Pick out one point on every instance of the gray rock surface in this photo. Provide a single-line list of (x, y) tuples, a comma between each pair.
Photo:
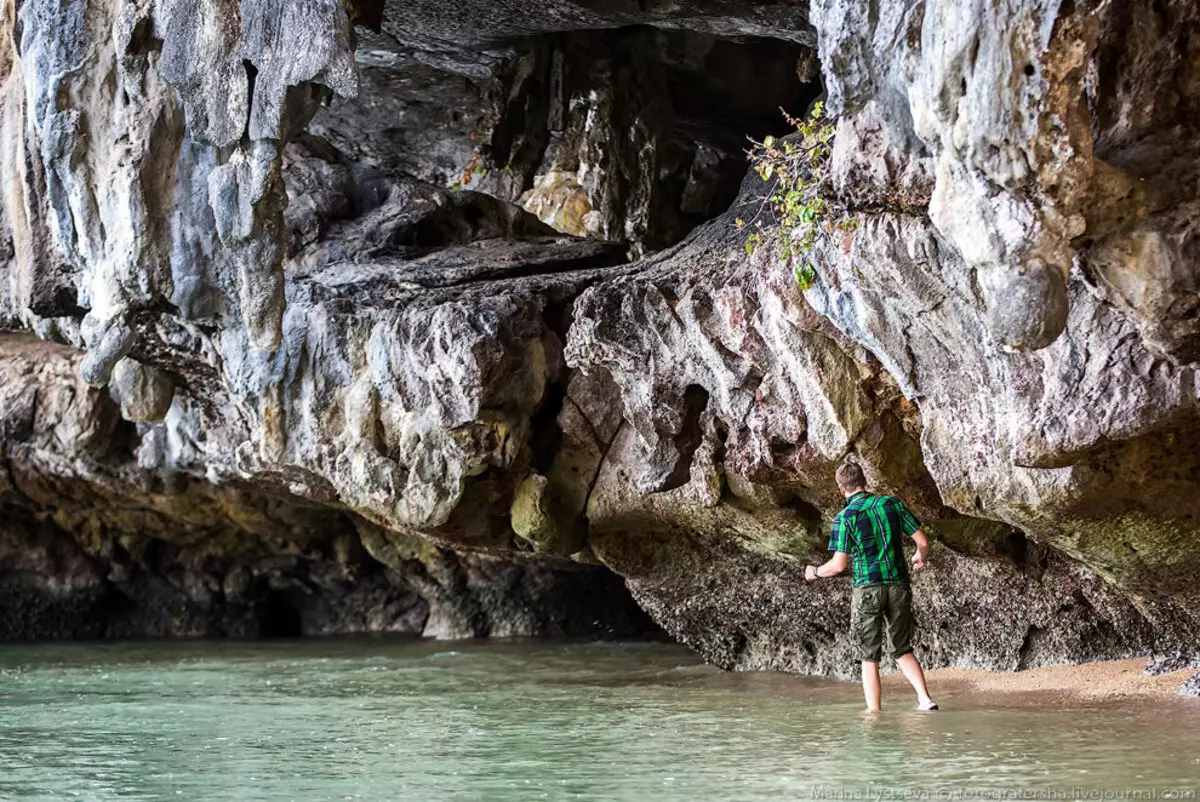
[(95, 544), (1087, 442), (286, 373), (457, 27)]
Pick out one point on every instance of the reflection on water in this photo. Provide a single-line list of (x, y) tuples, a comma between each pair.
[(367, 719)]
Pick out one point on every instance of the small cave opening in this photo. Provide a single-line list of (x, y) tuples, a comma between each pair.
[(597, 603), (432, 232), (368, 13), (251, 80), (122, 438), (279, 615), (123, 444), (1028, 656), (110, 616), (546, 435), (1016, 548), (782, 449), (691, 434), (804, 510)]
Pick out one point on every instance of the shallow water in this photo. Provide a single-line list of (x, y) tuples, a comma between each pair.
[(369, 719)]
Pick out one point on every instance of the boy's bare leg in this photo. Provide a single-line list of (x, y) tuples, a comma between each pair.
[(912, 672), (870, 680)]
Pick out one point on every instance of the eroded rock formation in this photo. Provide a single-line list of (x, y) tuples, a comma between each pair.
[(97, 543), (453, 336)]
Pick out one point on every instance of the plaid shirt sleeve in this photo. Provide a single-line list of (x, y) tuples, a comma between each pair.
[(838, 540), (910, 522)]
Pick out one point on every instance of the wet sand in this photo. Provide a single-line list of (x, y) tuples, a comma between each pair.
[(1110, 680)]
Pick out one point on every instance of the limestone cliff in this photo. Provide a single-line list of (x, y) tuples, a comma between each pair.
[(432, 317)]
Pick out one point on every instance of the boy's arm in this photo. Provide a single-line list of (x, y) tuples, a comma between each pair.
[(838, 544), (918, 560), (913, 527), (831, 567)]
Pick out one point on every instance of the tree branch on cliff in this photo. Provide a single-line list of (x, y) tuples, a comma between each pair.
[(799, 211)]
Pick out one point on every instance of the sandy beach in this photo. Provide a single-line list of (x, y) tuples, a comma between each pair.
[(1109, 680)]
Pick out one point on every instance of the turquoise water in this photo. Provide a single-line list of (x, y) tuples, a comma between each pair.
[(377, 720)]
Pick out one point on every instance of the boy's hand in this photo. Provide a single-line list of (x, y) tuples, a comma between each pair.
[(918, 561)]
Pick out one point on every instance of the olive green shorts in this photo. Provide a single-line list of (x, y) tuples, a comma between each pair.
[(874, 609)]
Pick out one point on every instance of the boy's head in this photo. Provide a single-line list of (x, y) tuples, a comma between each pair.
[(850, 478)]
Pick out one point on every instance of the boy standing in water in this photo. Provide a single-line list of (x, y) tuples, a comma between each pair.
[(870, 530)]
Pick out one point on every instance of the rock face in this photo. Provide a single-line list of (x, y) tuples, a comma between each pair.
[(96, 543), (445, 327)]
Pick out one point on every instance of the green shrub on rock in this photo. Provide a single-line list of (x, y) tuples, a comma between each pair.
[(798, 213)]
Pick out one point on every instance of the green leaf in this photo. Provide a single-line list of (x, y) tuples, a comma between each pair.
[(806, 276), (797, 214)]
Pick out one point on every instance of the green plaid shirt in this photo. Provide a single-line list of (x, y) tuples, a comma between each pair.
[(871, 530)]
